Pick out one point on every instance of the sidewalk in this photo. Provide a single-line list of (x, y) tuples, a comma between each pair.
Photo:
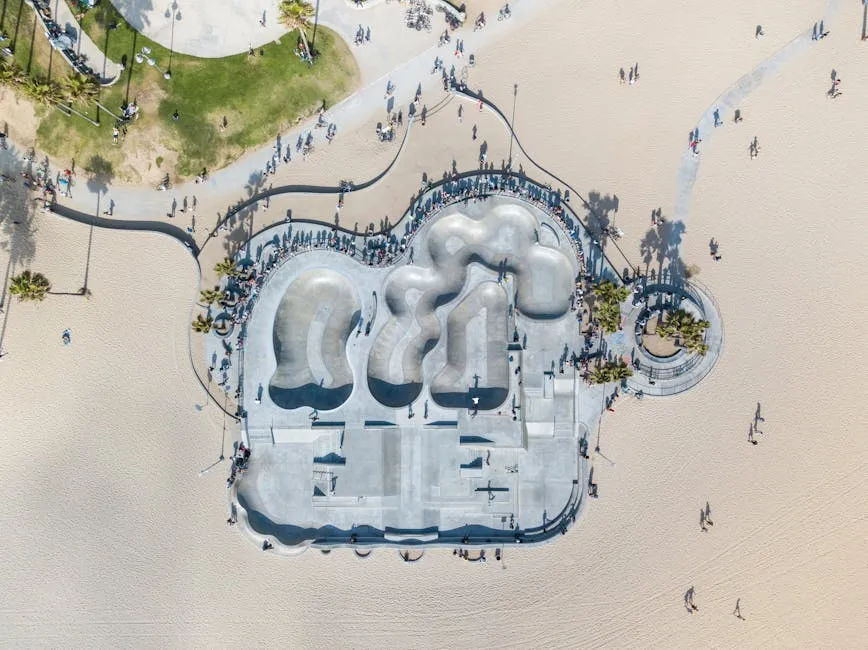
[(108, 71)]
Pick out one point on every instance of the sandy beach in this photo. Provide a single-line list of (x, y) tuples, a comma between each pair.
[(113, 535)]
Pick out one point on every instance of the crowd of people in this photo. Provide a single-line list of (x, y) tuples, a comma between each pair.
[(240, 460)]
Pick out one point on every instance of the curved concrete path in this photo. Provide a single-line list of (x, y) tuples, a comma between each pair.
[(107, 71), (231, 27), (730, 99)]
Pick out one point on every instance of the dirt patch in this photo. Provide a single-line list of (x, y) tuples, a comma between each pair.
[(656, 344), (20, 116)]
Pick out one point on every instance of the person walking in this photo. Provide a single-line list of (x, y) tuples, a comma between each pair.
[(754, 148), (737, 611)]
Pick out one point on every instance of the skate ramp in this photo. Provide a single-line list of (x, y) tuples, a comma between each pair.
[(506, 241), (313, 321), (475, 328)]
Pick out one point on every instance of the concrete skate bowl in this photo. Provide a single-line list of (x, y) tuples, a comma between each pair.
[(481, 315), (505, 241), (313, 321)]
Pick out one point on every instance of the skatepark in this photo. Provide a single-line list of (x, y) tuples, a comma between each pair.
[(423, 402)]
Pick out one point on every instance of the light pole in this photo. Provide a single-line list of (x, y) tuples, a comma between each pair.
[(145, 55), (176, 15)]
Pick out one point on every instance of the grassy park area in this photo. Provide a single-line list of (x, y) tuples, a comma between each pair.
[(32, 52), (224, 106)]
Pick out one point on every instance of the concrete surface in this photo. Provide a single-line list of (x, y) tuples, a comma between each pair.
[(426, 465)]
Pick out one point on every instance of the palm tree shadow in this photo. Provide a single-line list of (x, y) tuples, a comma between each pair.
[(17, 216), (17, 224), (242, 222), (600, 210), (660, 247), (100, 174)]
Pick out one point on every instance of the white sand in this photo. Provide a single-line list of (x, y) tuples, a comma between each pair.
[(111, 537)]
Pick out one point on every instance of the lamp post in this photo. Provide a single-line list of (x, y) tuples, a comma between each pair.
[(176, 15), (145, 56)]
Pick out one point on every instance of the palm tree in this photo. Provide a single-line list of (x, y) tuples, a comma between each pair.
[(608, 307), (611, 292), (226, 267), (29, 286), (209, 296), (296, 14), (683, 325), (611, 371), (10, 73), (79, 89), (203, 324), (41, 90)]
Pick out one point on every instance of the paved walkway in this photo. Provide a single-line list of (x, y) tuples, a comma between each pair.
[(231, 27), (107, 70)]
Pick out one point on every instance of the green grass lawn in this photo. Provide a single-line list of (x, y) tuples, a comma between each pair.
[(31, 49), (259, 96)]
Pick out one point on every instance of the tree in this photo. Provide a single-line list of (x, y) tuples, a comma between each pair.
[(608, 307), (29, 286), (210, 296), (79, 89), (296, 14), (10, 73), (682, 325), (203, 324), (226, 267), (41, 90), (611, 371)]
